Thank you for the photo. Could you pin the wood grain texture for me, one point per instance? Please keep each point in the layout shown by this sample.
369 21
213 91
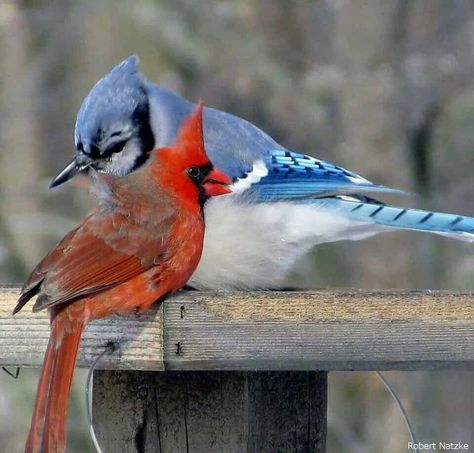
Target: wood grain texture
211 412
23 337
325 330
311 330
124 411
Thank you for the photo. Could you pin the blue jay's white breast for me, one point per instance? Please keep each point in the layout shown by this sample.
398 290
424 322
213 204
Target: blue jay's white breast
255 245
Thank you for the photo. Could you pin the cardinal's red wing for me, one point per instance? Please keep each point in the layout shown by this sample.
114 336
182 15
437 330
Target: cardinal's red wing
103 252
32 285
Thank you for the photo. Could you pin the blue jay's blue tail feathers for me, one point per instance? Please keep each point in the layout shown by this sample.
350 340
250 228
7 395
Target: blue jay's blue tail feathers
450 225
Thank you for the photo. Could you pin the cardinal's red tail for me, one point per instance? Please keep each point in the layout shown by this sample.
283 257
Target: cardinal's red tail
48 425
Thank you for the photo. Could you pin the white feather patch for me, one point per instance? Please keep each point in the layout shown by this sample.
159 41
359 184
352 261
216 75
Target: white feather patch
259 171
254 246
358 180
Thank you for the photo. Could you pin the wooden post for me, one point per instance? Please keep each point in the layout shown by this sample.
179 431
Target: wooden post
210 411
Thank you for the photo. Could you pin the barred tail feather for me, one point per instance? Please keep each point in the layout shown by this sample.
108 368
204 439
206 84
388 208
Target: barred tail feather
450 225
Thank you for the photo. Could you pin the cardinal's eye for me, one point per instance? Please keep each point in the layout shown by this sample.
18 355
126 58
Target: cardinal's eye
194 172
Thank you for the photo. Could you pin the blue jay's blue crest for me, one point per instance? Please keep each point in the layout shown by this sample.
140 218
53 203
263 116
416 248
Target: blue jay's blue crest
113 133
112 103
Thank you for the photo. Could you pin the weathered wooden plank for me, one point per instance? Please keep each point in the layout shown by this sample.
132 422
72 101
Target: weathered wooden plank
327 329
330 330
210 412
124 411
23 338
288 412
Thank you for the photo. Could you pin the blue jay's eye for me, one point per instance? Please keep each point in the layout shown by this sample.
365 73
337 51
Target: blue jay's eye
194 172
114 149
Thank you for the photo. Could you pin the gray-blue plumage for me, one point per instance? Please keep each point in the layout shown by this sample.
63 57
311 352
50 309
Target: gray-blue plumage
113 100
232 143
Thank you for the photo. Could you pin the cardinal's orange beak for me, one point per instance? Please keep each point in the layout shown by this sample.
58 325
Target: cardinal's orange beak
216 183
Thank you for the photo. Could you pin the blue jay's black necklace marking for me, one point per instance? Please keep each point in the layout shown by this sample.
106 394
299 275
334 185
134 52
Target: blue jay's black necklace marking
141 118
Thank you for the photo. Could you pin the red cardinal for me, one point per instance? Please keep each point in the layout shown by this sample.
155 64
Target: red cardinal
142 243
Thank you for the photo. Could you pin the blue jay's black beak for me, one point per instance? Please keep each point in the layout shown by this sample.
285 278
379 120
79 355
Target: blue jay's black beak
71 170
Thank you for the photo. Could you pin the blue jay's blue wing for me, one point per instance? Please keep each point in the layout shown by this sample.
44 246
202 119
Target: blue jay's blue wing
295 176
263 169
370 211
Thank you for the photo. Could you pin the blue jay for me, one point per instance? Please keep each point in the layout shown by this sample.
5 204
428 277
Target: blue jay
283 203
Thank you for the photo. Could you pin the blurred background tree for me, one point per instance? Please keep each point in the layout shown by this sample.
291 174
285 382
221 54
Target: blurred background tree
384 88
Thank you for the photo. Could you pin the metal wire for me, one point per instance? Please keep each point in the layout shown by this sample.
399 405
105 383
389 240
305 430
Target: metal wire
114 346
13 375
393 394
110 348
